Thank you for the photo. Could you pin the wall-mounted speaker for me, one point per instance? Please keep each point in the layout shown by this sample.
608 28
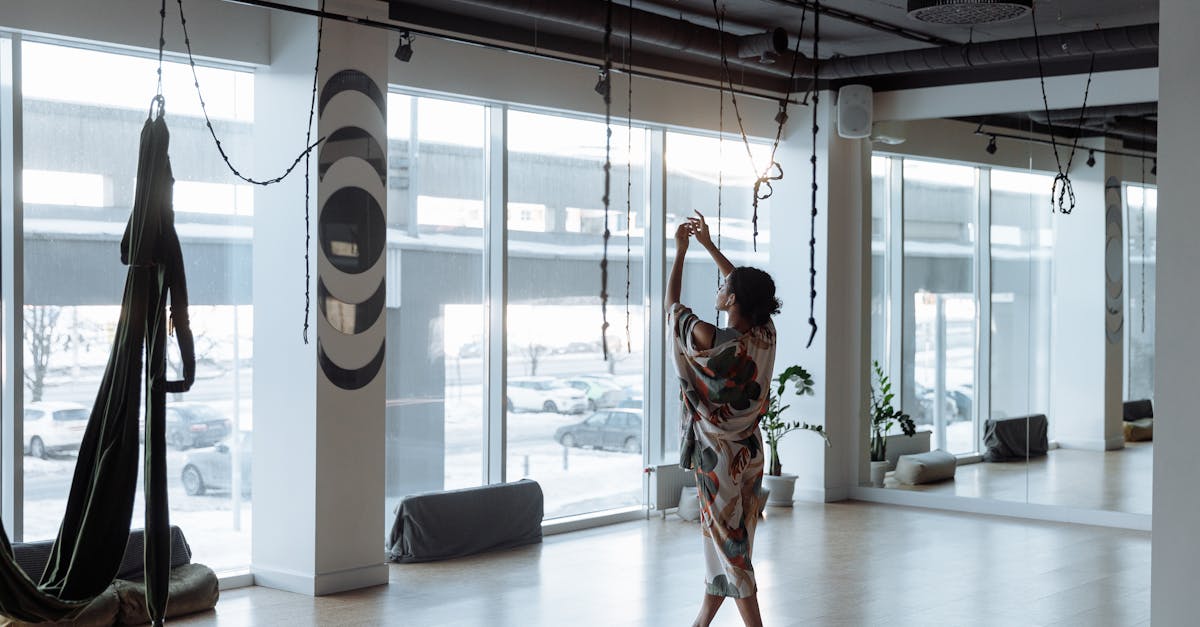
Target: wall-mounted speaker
854 111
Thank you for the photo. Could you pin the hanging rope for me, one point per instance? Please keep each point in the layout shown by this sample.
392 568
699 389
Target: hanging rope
812 238
628 179
604 86
312 108
162 42
720 165
773 171
311 145
1061 190
1142 298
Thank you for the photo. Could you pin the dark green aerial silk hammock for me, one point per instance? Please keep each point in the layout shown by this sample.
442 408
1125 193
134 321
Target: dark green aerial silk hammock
91 542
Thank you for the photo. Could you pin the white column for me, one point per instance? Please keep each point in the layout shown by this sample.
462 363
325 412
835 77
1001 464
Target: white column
839 355
1085 379
319 407
1177 344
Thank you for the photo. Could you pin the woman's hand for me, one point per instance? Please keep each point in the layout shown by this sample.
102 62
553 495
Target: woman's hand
682 234
699 228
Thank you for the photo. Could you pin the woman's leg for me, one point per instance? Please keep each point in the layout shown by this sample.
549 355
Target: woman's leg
708 609
748 608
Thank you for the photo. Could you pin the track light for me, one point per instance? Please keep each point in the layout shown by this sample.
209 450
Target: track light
991 147
404 51
1091 159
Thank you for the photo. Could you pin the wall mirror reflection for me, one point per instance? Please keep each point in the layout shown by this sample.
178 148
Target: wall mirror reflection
1017 338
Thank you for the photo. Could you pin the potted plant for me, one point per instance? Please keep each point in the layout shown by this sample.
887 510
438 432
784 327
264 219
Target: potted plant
883 418
779 485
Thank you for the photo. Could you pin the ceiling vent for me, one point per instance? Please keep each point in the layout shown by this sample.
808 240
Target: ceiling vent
968 12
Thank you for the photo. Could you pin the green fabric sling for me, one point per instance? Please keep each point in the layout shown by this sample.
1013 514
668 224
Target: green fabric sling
91 542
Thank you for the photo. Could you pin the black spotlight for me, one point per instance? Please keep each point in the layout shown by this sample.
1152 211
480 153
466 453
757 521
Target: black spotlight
1091 159
991 147
603 84
404 50
1154 168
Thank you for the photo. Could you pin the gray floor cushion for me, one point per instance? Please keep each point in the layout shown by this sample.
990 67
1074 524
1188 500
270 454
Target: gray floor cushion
192 588
443 525
1139 430
1136 410
101 612
1015 438
925 467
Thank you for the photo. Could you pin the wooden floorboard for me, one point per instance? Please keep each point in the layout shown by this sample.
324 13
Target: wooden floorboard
845 563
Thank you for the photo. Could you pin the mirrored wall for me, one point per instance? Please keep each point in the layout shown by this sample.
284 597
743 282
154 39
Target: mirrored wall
1018 338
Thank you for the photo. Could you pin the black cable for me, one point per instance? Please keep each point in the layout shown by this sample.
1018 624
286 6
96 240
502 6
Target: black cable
604 86
1063 177
720 164
162 41
628 179
773 171
304 155
812 240
312 106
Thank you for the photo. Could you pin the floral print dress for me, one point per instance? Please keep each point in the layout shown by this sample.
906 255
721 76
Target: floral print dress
723 394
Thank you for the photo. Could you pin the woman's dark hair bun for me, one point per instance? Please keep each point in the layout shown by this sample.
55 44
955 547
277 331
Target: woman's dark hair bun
754 292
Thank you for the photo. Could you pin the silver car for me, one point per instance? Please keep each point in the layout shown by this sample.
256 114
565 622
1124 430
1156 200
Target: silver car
51 427
211 469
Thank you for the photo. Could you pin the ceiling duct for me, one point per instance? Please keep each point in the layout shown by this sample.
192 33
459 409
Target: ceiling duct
649 28
979 56
968 12
766 47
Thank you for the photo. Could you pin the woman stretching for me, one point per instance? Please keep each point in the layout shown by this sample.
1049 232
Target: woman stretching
724 375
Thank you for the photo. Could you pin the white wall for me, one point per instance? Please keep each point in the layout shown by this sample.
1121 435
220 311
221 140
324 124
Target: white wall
218 29
1176 553
284 531
454 68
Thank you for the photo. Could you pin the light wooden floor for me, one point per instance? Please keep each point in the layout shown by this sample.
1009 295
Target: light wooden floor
838 564
1119 480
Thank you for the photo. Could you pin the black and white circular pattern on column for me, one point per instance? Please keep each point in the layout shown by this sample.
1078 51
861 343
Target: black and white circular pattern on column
1114 263
351 229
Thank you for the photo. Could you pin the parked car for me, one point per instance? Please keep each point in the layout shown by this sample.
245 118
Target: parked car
632 403
619 429
191 425
950 406
53 427
211 469
544 394
600 393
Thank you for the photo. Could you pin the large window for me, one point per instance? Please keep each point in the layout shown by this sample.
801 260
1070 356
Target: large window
705 174
435 317
575 420
83 112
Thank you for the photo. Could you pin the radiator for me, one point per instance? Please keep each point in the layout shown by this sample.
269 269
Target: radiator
666 480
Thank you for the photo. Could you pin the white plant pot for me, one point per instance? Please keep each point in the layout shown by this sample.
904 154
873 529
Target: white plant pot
781 488
878 471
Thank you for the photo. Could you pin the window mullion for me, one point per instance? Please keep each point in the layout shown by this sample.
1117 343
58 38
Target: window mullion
495 260
12 285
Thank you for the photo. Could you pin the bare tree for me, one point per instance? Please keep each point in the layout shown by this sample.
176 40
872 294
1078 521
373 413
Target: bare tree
41 339
533 351
205 347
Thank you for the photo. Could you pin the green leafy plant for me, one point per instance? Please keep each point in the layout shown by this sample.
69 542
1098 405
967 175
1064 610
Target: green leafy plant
774 427
884 416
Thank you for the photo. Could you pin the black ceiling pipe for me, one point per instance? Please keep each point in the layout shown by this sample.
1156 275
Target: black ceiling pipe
1139 109
648 28
994 53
